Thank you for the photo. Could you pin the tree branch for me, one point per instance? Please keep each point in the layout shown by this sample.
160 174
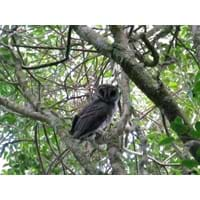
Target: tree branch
114 145
25 112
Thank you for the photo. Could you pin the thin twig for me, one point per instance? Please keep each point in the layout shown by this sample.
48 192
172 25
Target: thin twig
38 148
151 158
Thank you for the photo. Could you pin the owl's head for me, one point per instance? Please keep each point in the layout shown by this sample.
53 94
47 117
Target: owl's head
108 93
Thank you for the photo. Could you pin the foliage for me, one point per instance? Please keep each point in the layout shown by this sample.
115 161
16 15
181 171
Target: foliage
31 146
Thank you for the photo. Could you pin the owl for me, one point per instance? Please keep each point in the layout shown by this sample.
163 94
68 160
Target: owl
97 114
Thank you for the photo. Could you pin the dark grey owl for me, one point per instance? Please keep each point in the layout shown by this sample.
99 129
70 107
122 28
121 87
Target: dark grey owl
96 115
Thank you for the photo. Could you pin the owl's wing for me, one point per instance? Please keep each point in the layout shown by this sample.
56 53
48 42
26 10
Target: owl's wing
74 123
91 118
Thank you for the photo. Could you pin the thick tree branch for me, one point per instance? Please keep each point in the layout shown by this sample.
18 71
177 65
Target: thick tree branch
99 42
25 112
81 156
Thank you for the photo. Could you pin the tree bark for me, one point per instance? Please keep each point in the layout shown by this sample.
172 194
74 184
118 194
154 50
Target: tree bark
196 40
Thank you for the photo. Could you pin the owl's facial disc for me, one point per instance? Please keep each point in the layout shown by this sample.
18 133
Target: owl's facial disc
108 93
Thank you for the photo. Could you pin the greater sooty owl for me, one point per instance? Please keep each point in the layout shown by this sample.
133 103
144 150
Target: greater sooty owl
96 115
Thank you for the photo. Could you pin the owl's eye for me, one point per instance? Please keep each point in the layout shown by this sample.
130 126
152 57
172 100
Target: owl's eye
101 92
113 93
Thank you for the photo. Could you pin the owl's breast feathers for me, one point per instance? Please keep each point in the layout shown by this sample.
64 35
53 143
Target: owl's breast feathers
93 117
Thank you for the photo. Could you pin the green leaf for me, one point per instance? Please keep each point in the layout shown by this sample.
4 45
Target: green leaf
173 85
197 78
196 87
198 152
195 134
6 89
197 126
167 140
108 74
190 163
8 117
5 54
178 126
172 67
